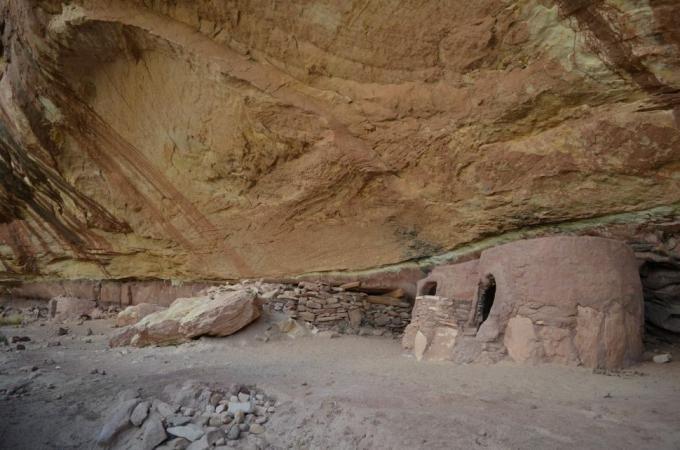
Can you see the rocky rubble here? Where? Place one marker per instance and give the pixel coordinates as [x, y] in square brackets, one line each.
[15, 315]
[58, 310]
[196, 417]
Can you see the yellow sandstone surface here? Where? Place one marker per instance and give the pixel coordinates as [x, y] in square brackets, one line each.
[199, 139]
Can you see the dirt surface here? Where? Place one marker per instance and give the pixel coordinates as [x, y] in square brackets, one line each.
[347, 392]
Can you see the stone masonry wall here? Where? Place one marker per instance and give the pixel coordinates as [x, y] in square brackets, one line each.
[436, 323]
[336, 308]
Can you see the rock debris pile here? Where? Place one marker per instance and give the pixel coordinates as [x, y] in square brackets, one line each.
[13, 315]
[197, 417]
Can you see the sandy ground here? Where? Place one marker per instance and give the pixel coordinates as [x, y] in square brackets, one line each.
[348, 392]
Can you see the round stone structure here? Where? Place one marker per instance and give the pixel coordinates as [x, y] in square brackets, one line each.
[566, 299]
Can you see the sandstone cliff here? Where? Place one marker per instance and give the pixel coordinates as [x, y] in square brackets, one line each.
[199, 139]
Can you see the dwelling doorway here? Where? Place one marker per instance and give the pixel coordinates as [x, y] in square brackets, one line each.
[429, 288]
[486, 296]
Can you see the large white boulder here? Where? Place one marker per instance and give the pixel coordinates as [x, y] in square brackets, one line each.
[219, 313]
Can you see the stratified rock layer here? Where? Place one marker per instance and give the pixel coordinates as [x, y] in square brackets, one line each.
[198, 139]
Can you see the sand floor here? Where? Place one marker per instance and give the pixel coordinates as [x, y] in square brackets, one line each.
[348, 392]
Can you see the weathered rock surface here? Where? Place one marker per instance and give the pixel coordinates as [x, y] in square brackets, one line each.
[219, 313]
[208, 140]
[133, 314]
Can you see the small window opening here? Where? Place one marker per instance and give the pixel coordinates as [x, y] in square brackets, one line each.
[430, 288]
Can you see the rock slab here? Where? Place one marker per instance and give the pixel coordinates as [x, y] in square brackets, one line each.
[118, 420]
[218, 314]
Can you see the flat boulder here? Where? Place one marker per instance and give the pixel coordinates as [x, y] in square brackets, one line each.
[220, 313]
[133, 314]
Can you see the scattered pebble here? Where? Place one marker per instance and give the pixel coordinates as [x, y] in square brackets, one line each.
[234, 407]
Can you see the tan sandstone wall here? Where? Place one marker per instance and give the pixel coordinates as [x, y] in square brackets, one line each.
[204, 139]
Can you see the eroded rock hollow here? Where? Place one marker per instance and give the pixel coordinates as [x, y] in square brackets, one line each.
[196, 140]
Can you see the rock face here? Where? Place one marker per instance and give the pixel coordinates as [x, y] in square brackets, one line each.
[216, 314]
[210, 140]
[569, 300]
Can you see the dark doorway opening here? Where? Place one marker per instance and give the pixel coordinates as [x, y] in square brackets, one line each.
[487, 294]
[660, 282]
[429, 288]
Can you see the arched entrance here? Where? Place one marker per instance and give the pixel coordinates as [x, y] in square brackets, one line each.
[429, 288]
